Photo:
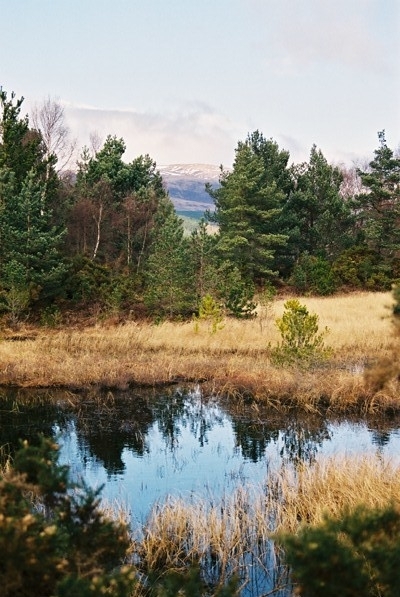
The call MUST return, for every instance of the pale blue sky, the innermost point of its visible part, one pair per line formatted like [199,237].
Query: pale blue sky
[184,80]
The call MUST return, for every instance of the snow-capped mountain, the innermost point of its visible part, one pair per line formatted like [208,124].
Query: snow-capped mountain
[207,172]
[186,186]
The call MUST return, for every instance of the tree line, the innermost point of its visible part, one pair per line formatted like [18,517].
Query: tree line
[105,238]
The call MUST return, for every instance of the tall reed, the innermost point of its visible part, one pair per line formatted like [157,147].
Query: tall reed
[233,535]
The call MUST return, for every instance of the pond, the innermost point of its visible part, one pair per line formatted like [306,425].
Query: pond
[143,446]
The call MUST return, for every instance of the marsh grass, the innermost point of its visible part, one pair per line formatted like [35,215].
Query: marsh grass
[233,361]
[237,534]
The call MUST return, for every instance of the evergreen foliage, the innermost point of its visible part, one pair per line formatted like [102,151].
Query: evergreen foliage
[54,540]
[316,218]
[21,148]
[31,263]
[211,313]
[355,555]
[107,238]
[302,345]
[169,288]
[237,293]
[313,275]
[204,261]
[378,207]
[247,204]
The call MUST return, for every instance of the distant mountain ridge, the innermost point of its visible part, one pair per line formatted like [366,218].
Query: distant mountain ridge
[186,186]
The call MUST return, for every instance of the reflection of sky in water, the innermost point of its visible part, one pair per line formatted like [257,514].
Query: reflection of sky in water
[207,464]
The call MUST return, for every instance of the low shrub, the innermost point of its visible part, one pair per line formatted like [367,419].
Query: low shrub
[356,554]
[301,343]
[54,539]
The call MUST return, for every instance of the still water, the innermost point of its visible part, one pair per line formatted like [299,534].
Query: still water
[145,446]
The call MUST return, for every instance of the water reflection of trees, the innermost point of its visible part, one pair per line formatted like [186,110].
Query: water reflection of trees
[382,428]
[302,438]
[25,414]
[298,436]
[189,410]
[107,424]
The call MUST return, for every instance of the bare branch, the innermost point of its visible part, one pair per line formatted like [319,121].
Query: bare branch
[49,119]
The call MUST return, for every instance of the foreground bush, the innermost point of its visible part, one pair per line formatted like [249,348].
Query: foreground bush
[355,555]
[54,539]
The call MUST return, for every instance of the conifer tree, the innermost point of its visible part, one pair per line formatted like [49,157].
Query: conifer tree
[31,265]
[316,217]
[378,208]
[170,289]
[247,205]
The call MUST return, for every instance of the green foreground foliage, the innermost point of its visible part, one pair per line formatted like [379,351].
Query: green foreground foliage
[356,555]
[54,539]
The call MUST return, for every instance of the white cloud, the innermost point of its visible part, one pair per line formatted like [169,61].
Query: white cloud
[193,133]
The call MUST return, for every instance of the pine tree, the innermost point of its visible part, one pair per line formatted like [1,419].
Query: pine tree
[31,266]
[21,147]
[317,218]
[203,258]
[247,205]
[170,289]
[378,208]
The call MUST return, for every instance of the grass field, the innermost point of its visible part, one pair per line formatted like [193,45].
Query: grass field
[234,361]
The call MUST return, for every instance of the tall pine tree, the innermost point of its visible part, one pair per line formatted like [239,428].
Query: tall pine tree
[31,265]
[378,209]
[247,205]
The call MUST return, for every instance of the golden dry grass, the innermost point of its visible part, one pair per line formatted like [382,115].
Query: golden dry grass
[329,487]
[230,535]
[233,361]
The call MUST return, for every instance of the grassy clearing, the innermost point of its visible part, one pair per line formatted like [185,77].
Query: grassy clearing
[233,361]
[232,535]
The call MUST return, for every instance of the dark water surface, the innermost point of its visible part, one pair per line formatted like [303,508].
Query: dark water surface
[143,446]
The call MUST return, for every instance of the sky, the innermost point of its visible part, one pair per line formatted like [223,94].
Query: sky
[185,80]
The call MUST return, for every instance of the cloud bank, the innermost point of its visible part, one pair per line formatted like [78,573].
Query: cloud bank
[195,133]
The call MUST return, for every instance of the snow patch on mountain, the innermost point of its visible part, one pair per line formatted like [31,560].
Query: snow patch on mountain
[203,172]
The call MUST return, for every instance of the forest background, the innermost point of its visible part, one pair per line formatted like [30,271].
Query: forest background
[104,238]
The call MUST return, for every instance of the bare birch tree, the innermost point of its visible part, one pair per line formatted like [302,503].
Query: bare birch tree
[49,118]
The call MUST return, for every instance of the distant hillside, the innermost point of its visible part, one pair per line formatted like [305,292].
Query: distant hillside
[186,187]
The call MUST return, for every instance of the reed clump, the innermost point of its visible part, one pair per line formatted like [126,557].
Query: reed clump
[305,494]
[233,536]
[234,360]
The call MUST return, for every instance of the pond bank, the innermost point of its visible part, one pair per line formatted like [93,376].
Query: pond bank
[233,362]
